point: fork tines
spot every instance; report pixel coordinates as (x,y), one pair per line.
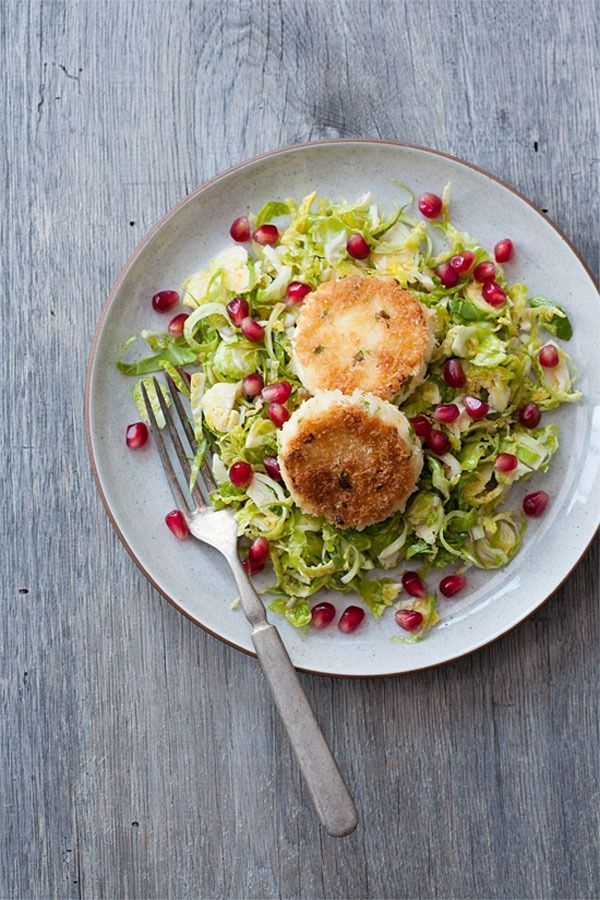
(182,453)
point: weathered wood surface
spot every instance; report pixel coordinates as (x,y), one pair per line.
(141,758)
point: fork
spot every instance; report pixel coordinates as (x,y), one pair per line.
(218,529)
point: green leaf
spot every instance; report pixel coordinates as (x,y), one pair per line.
(271,210)
(176,352)
(298,614)
(558,325)
(463,311)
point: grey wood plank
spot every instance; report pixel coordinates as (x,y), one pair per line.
(131,741)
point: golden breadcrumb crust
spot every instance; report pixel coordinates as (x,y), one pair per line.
(362,333)
(348,466)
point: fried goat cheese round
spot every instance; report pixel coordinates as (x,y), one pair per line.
(363,333)
(352,459)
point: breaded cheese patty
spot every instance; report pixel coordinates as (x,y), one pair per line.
(363,333)
(351,459)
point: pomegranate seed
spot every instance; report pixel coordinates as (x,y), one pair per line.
(237,310)
(136,435)
(452,584)
(493,294)
(530,415)
(506,462)
(359,249)
(438,442)
(240,229)
(430,205)
(534,504)
(278,414)
(322,615)
(503,250)
(240,474)
(409,619)
(252,385)
(176,522)
(414,585)
(272,469)
(476,408)
(165,300)
(548,356)
(462,262)
(447,275)
(453,373)
(446,413)
(251,568)
(485,271)
(297,291)
(278,392)
(176,324)
(266,234)
(252,330)
(351,619)
(258,551)
(421,425)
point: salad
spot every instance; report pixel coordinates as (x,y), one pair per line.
(497,366)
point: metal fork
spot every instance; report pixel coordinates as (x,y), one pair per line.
(218,528)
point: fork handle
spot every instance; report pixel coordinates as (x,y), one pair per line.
(330,795)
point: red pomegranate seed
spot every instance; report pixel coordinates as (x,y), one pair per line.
(506,462)
(446,413)
(237,310)
(240,229)
(252,330)
(535,503)
(176,522)
(503,250)
(414,585)
(438,442)
(266,234)
(462,262)
(530,415)
(485,271)
(251,568)
(447,275)
(252,385)
(476,408)
(409,619)
(357,247)
(322,615)
(493,294)
(240,474)
(351,619)
(272,469)
(430,205)
(421,425)
(452,584)
(278,392)
(258,551)
(165,300)
(136,435)
(548,356)
(297,291)
(176,324)
(453,373)
(278,414)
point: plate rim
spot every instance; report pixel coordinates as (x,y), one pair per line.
(108,303)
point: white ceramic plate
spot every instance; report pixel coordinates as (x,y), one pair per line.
(134,490)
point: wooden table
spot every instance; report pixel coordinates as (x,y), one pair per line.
(140,757)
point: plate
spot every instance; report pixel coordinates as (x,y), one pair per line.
(133,488)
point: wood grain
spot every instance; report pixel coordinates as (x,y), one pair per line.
(139,757)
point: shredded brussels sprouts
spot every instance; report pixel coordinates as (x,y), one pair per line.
(455,515)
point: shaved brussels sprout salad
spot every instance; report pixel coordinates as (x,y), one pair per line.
(493,346)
